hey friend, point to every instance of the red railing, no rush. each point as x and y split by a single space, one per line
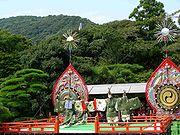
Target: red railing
177 117
90 119
154 124
50 125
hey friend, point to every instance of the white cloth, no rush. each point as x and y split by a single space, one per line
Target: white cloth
68 104
101 104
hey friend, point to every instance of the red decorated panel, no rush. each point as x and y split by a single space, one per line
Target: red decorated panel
70 84
163 88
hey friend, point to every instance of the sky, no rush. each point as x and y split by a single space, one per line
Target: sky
98 11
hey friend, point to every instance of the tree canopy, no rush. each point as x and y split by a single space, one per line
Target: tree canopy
20 94
10 47
147 13
37 28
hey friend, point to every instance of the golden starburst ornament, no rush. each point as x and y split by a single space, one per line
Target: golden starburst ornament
71 40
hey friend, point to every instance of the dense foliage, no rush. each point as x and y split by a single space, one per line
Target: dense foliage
146 14
23 93
116 52
37 28
10 48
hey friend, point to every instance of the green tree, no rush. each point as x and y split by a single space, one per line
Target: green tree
119 73
107 44
129 73
10 46
49 55
20 92
38 28
4 113
174 51
146 14
103 74
140 50
118 37
83 66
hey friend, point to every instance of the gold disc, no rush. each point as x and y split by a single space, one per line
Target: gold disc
168 97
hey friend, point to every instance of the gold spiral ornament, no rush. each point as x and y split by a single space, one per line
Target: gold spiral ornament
168 97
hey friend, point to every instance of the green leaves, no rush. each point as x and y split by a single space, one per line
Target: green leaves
48 56
19 90
147 13
119 73
116 52
4 113
10 46
38 28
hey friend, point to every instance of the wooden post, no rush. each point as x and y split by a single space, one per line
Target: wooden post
56 125
30 128
127 127
145 118
19 128
96 124
5 128
150 115
49 117
155 128
161 126
113 128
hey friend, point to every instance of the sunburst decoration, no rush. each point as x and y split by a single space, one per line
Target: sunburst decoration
71 41
166 32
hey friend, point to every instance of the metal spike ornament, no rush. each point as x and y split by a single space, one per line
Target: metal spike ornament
166 32
163 87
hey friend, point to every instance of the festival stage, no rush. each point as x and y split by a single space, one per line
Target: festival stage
138 125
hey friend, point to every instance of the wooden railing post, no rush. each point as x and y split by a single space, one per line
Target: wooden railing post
127 126
155 127
30 128
161 126
96 124
141 129
5 128
50 117
56 125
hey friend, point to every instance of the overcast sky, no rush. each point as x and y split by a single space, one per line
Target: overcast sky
98 11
